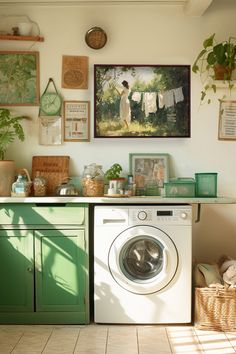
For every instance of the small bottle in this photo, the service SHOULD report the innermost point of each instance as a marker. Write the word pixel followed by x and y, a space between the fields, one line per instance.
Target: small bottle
pixel 19 186
pixel 39 185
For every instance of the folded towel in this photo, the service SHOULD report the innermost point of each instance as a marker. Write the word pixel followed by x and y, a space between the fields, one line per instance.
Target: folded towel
pixel 229 276
pixel 210 273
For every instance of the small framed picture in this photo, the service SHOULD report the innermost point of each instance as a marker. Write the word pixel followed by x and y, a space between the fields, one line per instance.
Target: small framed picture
pixel 149 170
pixel 76 120
pixel 74 72
pixel 227 120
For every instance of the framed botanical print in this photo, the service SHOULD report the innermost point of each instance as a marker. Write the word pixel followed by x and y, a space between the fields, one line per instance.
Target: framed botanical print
pixel 19 79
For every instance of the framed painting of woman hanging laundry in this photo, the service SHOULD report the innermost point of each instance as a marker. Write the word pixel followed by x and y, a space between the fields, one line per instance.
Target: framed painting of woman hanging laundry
pixel 141 101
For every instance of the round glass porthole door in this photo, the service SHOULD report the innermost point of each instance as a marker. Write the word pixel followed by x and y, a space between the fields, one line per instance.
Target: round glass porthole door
pixel 143 259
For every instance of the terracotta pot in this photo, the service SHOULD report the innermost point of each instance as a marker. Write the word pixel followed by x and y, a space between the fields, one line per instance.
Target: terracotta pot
pixel 222 72
pixel 7 176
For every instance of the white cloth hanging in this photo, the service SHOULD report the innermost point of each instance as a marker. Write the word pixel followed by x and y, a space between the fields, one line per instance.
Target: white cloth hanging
pixel 136 96
pixel 149 104
pixel 168 98
pixel 178 95
pixel 161 103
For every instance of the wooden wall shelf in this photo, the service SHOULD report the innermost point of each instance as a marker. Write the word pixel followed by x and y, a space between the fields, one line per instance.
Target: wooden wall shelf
pixel 9 37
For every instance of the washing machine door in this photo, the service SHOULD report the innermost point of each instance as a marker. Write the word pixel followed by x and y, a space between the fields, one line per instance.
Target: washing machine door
pixel 143 259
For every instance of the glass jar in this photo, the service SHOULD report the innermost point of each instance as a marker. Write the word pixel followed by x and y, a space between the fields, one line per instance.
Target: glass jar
pixel 21 187
pixel 39 185
pixel 93 181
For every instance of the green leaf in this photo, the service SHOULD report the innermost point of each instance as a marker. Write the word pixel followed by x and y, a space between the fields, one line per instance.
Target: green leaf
pixel 203 51
pixel 195 68
pixel 203 95
pixel 211 59
pixel 219 52
pixel 10 128
pixel 209 41
pixel 213 88
pixel 114 171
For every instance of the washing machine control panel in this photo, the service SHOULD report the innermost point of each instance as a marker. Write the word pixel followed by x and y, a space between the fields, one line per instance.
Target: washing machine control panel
pixel 142 215
pixel 154 215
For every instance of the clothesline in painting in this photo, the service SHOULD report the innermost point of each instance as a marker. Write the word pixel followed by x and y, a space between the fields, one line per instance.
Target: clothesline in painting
pixel 166 99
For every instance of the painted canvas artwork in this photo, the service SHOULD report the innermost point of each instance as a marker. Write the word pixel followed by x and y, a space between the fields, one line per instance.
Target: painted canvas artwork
pixel 19 78
pixel 142 101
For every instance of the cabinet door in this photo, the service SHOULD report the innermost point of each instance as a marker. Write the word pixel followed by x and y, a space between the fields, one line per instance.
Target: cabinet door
pixel 61 272
pixel 16 271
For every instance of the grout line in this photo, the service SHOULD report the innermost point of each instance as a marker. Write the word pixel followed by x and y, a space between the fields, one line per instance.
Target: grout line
pixel 77 340
pixel 198 339
pixel 229 341
pixel 17 342
pixel 106 340
pixel 169 341
pixel 137 336
pixel 48 340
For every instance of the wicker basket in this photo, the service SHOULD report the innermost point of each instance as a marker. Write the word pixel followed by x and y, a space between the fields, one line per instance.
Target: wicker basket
pixel 215 309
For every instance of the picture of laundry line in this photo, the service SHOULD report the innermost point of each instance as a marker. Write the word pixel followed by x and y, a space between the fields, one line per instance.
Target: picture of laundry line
pixel 166 99
pixel 150 87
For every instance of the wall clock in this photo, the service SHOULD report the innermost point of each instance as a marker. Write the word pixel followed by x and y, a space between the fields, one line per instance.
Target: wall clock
pixel 96 38
pixel 50 102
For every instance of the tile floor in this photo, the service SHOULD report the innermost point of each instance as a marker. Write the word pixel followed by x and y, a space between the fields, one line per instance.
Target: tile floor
pixel 112 339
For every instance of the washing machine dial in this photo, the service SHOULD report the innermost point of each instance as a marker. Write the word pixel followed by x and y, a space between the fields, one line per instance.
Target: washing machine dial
pixel 183 215
pixel 142 215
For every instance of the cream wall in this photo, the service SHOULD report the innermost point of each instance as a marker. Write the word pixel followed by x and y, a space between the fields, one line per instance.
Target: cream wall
pixel 138 34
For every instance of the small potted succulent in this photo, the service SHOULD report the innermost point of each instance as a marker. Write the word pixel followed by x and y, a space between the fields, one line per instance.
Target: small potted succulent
pixel 216 61
pixel 10 129
pixel 116 182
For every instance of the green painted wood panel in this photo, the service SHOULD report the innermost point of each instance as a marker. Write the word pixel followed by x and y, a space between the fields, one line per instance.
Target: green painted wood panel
pixel 16 271
pixel 61 270
pixel 31 214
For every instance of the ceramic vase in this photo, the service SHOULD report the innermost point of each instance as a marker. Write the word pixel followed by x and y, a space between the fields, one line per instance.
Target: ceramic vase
pixel 7 176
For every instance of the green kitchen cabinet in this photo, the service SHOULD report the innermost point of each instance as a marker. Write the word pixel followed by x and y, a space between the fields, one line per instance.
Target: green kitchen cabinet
pixel 59 270
pixel 44 266
pixel 16 271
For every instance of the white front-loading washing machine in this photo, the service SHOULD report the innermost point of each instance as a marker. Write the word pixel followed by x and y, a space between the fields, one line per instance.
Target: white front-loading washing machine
pixel 142 264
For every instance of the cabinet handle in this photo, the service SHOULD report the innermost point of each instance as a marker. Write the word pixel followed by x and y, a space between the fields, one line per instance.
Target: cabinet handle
pixel 30 269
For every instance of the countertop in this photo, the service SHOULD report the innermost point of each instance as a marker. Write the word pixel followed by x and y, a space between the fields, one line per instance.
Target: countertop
pixel 122 200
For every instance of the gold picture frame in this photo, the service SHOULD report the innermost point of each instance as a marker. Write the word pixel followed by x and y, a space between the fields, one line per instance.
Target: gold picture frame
pixel 76 120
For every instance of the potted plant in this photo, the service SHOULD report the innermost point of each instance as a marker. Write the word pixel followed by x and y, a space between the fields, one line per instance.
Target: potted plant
pixel 216 61
pixel 10 129
pixel 116 182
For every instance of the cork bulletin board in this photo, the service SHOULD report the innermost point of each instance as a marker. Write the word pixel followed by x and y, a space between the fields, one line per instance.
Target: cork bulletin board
pixel 74 72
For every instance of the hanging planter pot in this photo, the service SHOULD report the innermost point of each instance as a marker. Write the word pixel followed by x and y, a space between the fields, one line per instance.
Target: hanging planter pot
pixel 222 72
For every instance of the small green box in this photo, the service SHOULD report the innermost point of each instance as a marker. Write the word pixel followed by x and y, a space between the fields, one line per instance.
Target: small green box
pixel 206 184
pixel 180 187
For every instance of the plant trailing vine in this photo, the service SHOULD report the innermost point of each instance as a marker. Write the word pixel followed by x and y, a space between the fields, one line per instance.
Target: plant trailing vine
pixel 213 59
